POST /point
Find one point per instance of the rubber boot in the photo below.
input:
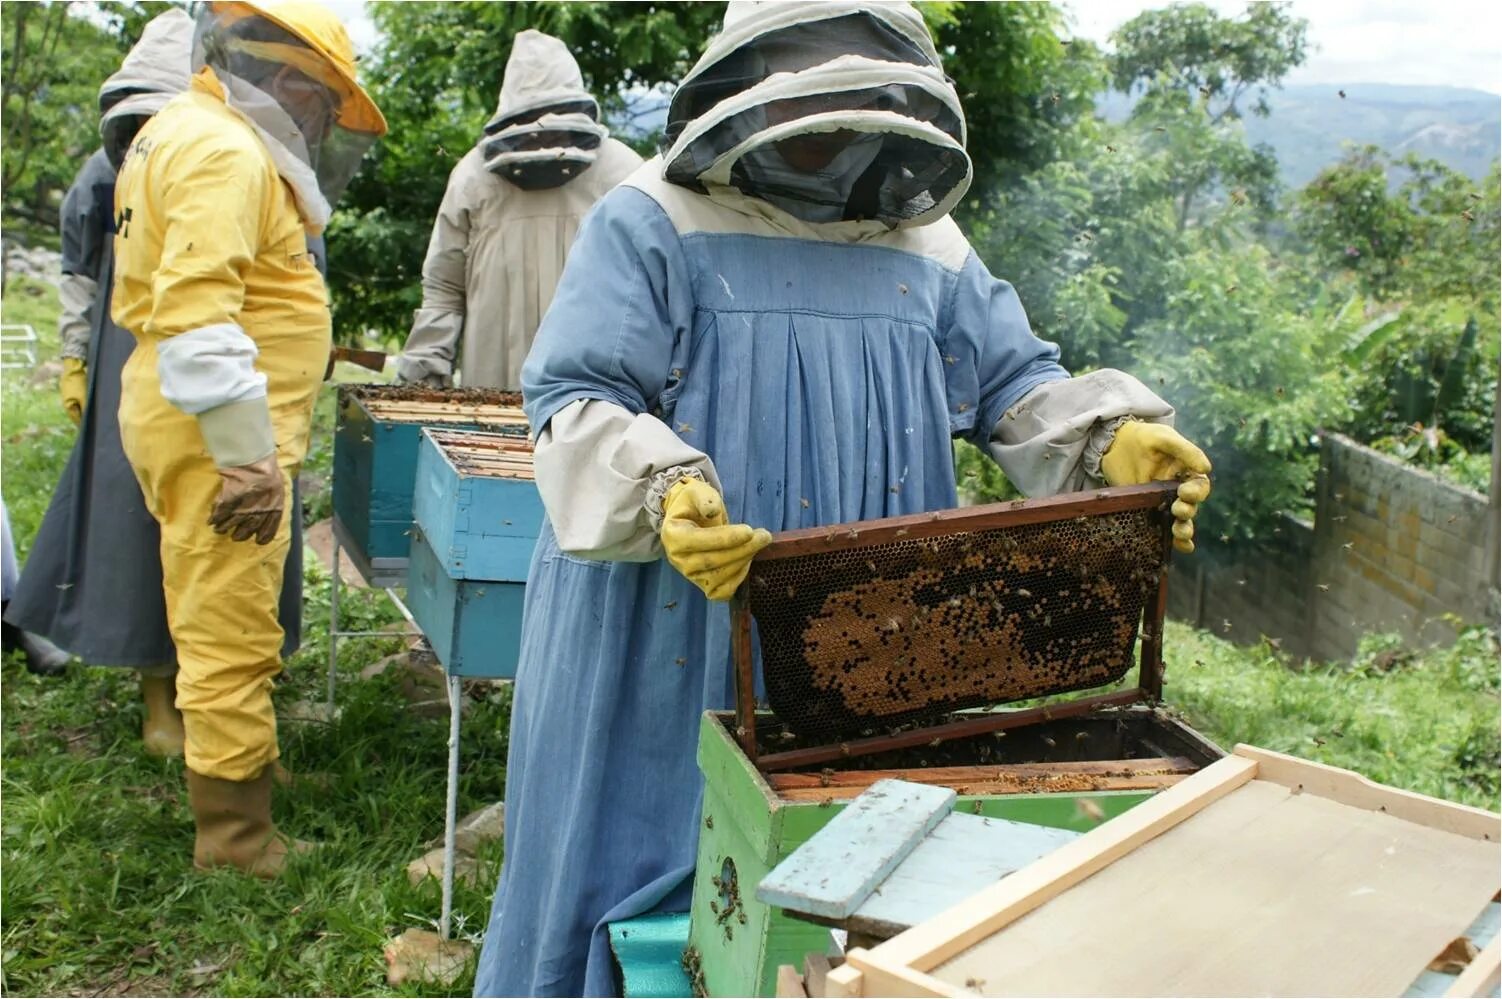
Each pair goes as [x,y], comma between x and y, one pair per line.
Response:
[162,731]
[234,827]
[42,657]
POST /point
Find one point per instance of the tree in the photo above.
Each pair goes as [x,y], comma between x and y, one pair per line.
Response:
[54,63]
[56,57]
[1193,68]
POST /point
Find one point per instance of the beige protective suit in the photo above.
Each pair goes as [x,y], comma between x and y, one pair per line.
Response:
[497,249]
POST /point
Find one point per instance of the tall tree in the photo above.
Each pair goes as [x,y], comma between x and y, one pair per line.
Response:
[1193,70]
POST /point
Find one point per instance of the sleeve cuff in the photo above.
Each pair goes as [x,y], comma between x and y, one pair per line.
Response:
[657,491]
[238,433]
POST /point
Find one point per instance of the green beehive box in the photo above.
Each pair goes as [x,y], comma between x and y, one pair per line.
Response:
[1028,599]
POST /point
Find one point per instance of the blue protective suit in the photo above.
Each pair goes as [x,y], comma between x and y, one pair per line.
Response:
[825,381]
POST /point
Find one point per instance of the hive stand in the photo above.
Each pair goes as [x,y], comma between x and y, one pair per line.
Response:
[476,517]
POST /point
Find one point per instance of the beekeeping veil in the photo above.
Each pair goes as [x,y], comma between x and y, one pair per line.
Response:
[831,111]
[546,130]
[289,68]
[154,72]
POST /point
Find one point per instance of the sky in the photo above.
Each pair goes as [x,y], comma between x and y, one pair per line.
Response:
[1435,42]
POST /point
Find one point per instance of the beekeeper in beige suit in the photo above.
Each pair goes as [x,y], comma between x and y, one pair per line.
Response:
[508,218]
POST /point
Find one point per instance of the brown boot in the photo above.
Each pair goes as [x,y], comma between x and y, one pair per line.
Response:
[234,825]
[162,731]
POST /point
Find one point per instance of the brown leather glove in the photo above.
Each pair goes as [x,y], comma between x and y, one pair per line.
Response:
[251,500]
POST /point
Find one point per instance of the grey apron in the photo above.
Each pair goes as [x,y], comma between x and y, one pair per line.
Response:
[92,583]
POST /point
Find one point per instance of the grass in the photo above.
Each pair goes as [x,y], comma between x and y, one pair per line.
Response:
[97,898]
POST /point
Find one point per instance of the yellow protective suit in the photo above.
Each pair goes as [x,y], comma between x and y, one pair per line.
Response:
[210,237]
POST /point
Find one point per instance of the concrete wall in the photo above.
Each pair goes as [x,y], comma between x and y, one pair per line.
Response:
[1392,548]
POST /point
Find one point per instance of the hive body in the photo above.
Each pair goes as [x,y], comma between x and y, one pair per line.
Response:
[477,516]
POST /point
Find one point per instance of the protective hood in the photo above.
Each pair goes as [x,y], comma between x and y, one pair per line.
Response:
[832,112]
[154,71]
[289,69]
[546,130]
[541,75]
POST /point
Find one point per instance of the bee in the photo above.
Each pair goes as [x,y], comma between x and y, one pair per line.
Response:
[685,428]
[1110,149]
[1238,196]
[1468,216]
[670,605]
[1200,663]
[950,359]
[804,502]
[1226,625]
[827,802]
[681,661]
[1159,128]
[1349,545]
[976,983]
[1231,290]
[1323,587]
[1342,94]
[1316,740]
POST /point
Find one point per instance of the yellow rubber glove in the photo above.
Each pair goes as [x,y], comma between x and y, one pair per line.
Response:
[702,544]
[1152,452]
[73,386]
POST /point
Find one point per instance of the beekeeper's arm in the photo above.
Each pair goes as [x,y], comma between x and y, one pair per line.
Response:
[83,236]
[214,197]
[1051,433]
[428,357]
[605,363]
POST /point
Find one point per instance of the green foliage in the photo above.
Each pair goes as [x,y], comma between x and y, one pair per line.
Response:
[1022,88]
[54,63]
[1190,49]
[1423,721]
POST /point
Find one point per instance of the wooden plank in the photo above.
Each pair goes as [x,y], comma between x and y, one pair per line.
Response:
[1483,975]
[926,946]
[744,663]
[789,984]
[844,982]
[1323,899]
[993,771]
[1061,784]
[834,872]
[978,518]
[1350,788]
[879,979]
[816,968]
[996,721]
[963,853]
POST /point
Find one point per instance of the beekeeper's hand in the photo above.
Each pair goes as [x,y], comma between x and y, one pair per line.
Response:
[702,544]
[1151,452]
[252,494]
[73,386]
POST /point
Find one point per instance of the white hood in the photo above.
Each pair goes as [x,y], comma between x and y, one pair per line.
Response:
[541,73]
[781,75]
[158,66]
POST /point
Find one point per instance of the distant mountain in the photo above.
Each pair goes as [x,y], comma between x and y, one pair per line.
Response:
[1311,124]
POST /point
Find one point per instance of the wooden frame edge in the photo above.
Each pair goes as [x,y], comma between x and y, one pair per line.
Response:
[880,978]
[1349,788]
[924,947]
[1482,975]
[846,981]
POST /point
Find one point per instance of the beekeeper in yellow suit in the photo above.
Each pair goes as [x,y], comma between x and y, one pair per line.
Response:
[213,204]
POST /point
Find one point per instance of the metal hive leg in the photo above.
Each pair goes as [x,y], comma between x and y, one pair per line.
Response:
[450,815]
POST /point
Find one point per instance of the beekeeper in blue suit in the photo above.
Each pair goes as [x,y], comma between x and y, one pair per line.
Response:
[774,325]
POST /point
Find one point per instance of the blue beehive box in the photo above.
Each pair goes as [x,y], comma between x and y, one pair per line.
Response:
[477,516]
[375,461]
